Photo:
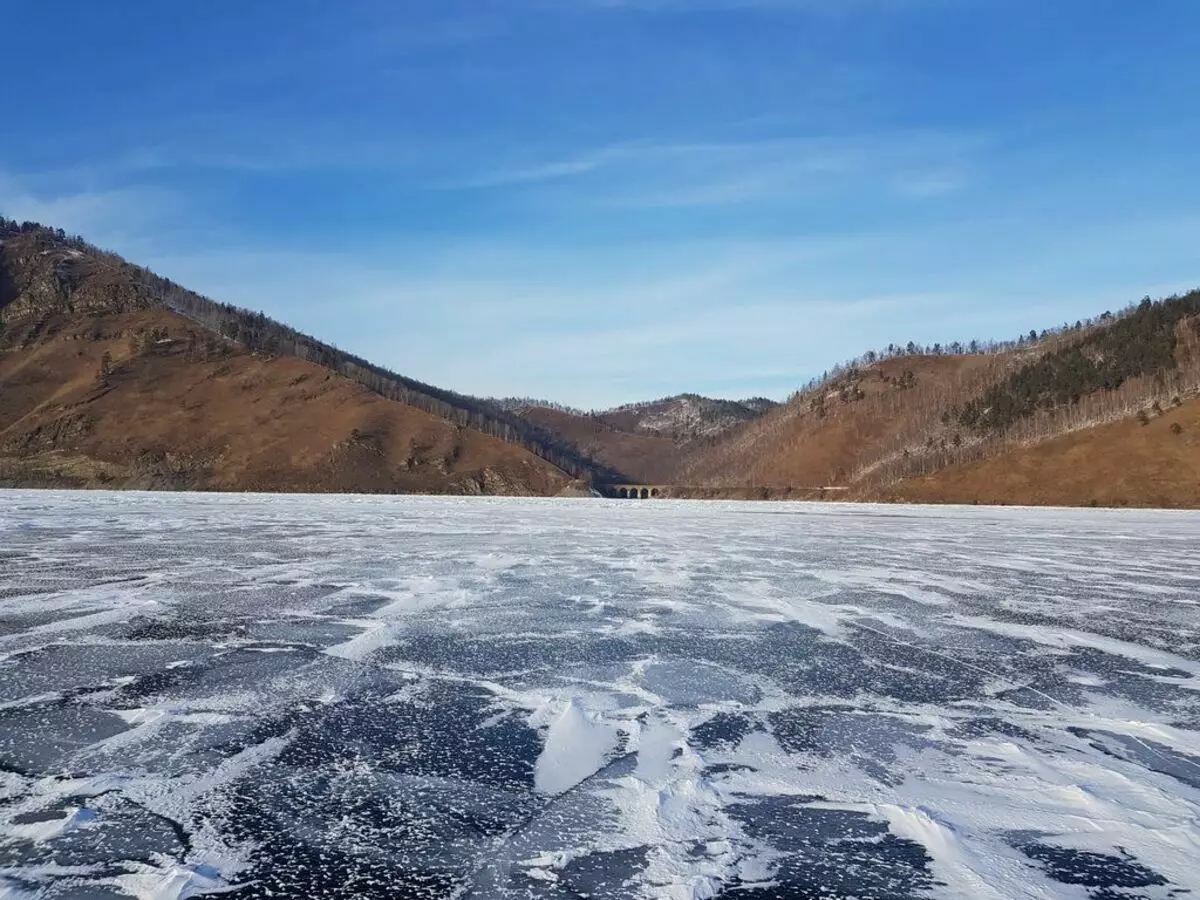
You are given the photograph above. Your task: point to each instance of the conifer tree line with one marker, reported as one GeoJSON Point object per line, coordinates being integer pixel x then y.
{"type": "Point", "coordinates": [263, 335]}
{"type": "Point", "coordinates": [1030, 340]}
{"type": "Point", "coordinates": [1141, 343]}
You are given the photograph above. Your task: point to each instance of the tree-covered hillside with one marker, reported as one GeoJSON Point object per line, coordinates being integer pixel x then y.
{"type": "Point", "coordinates": [1140, 343]}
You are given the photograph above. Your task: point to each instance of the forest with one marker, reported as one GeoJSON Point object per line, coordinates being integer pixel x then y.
{"type": "Point", "coordinates": [1138, 344]}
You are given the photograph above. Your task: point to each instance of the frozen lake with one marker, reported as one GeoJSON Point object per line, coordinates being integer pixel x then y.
{"type": "Point", "coordinates": [420, 697]}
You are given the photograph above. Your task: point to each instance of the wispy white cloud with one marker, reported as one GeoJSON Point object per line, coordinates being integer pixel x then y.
{"type": "Point", "coordinates": [522, 319]}
{"type": "Point", "coordinates": [772, 344]}
{"type": "Point", "coordinates": [532, 174]}
{"type": "Point", "coordinates": [919, 185]}
{"type": "Point", "coordinates": [717, 173]}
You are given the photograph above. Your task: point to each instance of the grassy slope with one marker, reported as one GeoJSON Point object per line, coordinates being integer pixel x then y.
{"type": "Point", "coordinates": [794, 445]}
{"type": "Point", "coordinates": [235, 422]}
{"type": "Point", "coordinates": [643, 458]}
{"type": "Point", "coordinates": [1118, 464]}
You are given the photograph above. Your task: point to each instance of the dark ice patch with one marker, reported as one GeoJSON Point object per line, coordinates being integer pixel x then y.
{"type": "Point", "coordinates": [317, 633]}
{"type": "Point", "coordinates": [173, 628]}
{"type": "Point", "coordinates": [42, 739]}
{"type": "Point", "coordinates": [495, 655]}
{"type": "Point", "coordinates": [724, 731]}
{"type": "Point", "coordinates": [80, 667]}
{"type": "Point", "coordinates": [378, 798]}
{"type": "Point", "coordinates": [451, 731]}
{"type": "Point", "coordinates": [1152, 755]}
{"type": "Point", "coordinates": [600, 874]}
{"type": "Point", "coordinates": [688, 683]}
{"type": "Point", "coordinates": [41, 815]}
{"type": "Point", "coordinates": [805, 661]}
{"type": "Point", "coordinates": [988, 726]}
{"type": "Point", "coordinates": [1107, 877]}
{"type": "Point", "coordinates": [109, 831]}
{"type": "Point", "coordinates": [356, 606]}
{"type": "Point", "coordinates": [831, 853]}
{"type": "Point", "coordinates": [870, 739]}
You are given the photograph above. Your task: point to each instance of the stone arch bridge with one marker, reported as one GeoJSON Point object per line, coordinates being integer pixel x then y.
{"type": "Point", "coordinates": [679, 491]}
{"type": "Point", "coordinates": [636, 491]}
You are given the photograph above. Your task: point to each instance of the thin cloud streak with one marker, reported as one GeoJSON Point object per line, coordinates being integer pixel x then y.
{"type": "Point", "coordinates": [921, 185]}
{"type": "Point", "coordinates": [647, 174]}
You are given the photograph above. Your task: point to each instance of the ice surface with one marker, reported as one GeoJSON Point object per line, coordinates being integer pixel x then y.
{"type": "Point", "coordinates": [477, 698]}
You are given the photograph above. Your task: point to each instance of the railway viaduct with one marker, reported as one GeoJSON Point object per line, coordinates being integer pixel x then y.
{"type": "Point", "coordinates": [666, 491]}
{"type": "Point", "coordinates": [637, 491]}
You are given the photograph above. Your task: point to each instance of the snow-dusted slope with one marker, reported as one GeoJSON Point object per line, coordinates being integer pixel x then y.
{"type": "Point", "coordinates": [686, 417]}
{"type": "Point", "coordinates": [380, 697]}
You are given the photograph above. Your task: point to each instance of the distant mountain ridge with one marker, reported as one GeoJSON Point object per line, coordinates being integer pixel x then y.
{"type": "Point", "coordinates": [644, 441]}
{"type": "Point", "coordinates": [682, 417]}
{"type": "Point", "coordinates": [686, 417]}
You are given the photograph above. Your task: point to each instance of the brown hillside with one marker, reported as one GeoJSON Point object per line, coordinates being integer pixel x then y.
{"type": "Point", "coordinates": [842, 431]}
{"type": "Point", "coordinates": [1124, 463]}
{"type": "Point", "coordinates": [639, 457]}
{"type": "Point", "coordinates": [112, 375]}
{"type": "Point", "coordinates": [195, 411]}
{"type": "Point", "coordinates": [685, 417]}
{"type": "Point", "coordinates": [44, 272]}
{"type": "Point", "coordinates": [1024, 423]}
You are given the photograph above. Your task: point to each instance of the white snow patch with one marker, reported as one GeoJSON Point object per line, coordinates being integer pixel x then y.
{"type": "Point", "coordinates": [578, 741]}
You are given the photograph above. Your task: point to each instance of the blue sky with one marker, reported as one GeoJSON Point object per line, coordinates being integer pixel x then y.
{"type": "Point", "coordinates": [598, 201]}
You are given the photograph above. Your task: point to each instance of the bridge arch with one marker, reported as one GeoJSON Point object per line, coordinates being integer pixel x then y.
{"type": "Point", "coordinates": [635, 491]}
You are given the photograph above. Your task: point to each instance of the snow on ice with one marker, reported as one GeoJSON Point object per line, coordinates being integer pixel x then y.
{"type": "Point", "coordinates": [475, 698]}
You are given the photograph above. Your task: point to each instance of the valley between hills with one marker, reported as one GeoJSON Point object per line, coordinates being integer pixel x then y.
{"type": "Point", "coordinates": [114, 377]}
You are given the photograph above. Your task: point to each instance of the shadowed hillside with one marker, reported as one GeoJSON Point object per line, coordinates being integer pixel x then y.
{"type": "Point", "coordinates": [647, 442]}
{"type": "Point", "coordinates": [642, 457]}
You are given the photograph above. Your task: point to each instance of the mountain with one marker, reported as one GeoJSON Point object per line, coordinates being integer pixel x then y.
{"type": "Point", "coordinates": [644, 442]}
{"type": "Point", "coordinates": [840, 430]}
{"type": "Point", "coordinates": [1100, 411]}
{"type": "Point", "coordinates": [685, 417]}
{"type": "Point", "coordinates": [112, 376]}
{"type": "Point", "coordinates": [644, 458]}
